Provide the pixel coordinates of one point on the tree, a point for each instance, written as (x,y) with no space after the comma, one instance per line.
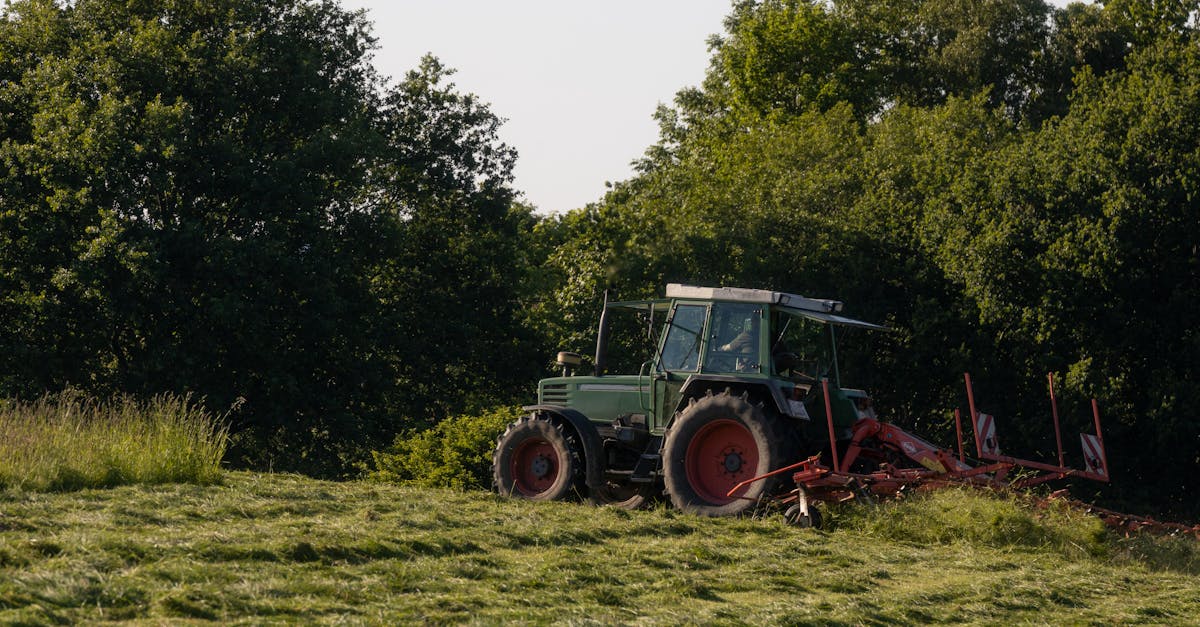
(1087,252)
(221,197)
(451,282)
(1011,194)
(786,56)
(1083,36)
(185,174)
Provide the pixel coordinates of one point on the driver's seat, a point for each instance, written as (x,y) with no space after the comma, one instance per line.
(786,360)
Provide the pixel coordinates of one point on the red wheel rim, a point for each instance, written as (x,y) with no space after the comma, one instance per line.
(721,455)
(534,467)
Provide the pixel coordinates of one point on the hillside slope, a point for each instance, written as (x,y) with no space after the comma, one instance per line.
(290,549)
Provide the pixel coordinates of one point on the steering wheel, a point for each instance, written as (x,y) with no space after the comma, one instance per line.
(723,361)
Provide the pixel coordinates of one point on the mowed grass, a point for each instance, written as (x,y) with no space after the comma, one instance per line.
(286,549)
(69,442)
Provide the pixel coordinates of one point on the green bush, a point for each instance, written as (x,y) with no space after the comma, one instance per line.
(69,442)
(455,453)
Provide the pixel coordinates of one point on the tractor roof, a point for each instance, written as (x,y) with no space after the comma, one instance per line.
(820,310)
(743,295)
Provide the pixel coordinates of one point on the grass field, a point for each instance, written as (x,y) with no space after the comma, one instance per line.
(281,548)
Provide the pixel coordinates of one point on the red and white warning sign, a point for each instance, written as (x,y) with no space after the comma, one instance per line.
(1093,454)
(985,429)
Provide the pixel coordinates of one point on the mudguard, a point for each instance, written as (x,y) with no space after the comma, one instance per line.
(715,381)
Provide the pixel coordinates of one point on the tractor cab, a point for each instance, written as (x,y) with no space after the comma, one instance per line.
(775,345)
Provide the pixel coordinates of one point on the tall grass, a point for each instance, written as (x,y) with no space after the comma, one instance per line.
(1004,520)
(69,442)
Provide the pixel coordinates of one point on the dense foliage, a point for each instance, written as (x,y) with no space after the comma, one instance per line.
(1012,187)
(223,198)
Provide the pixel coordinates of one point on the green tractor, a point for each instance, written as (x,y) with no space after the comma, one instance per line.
(729,395)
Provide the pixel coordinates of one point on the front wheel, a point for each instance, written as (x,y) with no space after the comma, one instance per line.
(718,442)
(536,460)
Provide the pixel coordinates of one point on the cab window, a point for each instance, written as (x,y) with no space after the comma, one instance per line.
(734,338)
(799,347)
(681,348)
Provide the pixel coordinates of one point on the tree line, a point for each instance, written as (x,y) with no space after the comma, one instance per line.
(223,197)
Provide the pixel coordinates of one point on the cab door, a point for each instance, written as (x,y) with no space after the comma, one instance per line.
(678,359)
(735,341)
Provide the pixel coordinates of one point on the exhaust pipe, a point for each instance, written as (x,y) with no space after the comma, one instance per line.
(602,338)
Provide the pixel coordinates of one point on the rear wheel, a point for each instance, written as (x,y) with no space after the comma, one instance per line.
(718,442)
(535,459)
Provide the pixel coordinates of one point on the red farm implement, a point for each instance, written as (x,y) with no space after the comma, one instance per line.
(882,460)
(731,380)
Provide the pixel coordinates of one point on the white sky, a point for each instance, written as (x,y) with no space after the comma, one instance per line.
(576,81)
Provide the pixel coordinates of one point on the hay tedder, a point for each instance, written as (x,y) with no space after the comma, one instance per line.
(740,402)
(903,461)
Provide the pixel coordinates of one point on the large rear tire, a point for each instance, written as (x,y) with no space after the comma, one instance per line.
(536,460)
(718,442)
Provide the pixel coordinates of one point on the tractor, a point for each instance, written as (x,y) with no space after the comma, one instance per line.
(742,393)
(727,399)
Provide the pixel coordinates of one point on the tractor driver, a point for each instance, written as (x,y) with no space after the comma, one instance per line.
(746,341)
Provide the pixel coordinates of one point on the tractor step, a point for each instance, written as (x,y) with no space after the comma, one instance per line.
(647,468)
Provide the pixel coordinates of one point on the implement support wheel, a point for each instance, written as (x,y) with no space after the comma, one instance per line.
(795,516)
